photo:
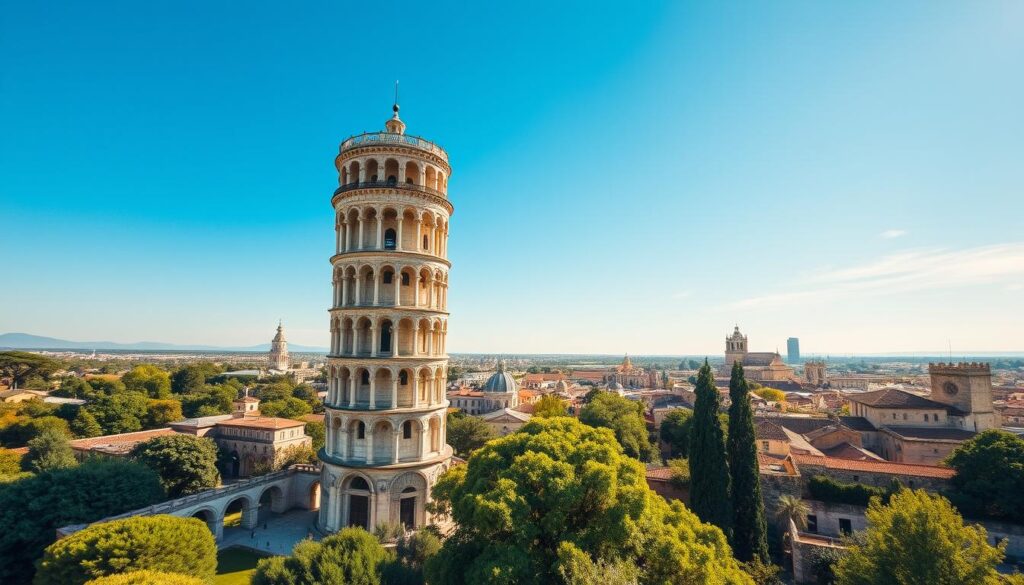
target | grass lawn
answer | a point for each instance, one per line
(235, 566)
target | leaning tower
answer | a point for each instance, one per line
(387, 366)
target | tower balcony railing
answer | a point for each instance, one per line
(374, 138)
(388, 184)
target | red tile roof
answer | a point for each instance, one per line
(659, 473)
(875, 466)
(262, 422)
(895, 398)
(120, 442)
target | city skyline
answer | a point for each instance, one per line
(640, 191)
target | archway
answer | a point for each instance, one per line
(358, 498)
(271, 502)
(314, 496)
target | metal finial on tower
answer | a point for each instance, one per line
(395, 107)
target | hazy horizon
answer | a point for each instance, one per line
(624, 180)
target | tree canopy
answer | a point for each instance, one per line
(33, 508)
(146, 577)
(288, 407)
(19, 366)
(625, 418)
(771, 394)
(160, 543)
(990, 475)
(121, 412)
(48, 451)
(549, 501)
(185, 464)
(675, 431)
(919, 539)
(550, 405)
(467, 433)
(350, 557)
(148, 379)
(709, 469)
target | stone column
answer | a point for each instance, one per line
(430, 341)
(361, 219)
(373, 340)
(344, 235)
(344, 290)
(415, 391)
(376, 287)
(394, 453)
(398, 231)
(380, 229)
(343, 441)
(369, 442)
(419, 224)
(352, 390)
(401, 172)
(415, 290)
(415, 339)
(373, 390)
(394, 391)
(430, 390)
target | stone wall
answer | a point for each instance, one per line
(931, 484)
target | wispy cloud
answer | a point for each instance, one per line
(908, 271)
(890, 234)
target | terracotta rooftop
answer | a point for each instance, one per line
(659, 473)
(121, 443)
(262, 422)
(766, 430)
(849, 451)
(876, 466)
(895, 398)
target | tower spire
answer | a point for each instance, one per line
(395, 125)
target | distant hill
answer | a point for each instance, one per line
(29, 341)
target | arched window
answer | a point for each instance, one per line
(405, 279)
(360, 434)
(426, 242)
(359, 483)
(364, 378)
(389, 239)
(392, 180)
(408, 180)
(385, 337)
(407, 431)
(403, 377)
(388, 275)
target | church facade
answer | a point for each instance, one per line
(385, 409)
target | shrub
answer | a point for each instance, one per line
(857, 494)
(147, 578)
(160, 543)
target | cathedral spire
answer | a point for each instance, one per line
(395, 125)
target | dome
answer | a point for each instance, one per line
(501, 381)
(615, 386)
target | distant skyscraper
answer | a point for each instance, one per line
(792, 350)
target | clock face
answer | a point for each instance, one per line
(950, 388)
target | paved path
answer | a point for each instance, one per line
(281, 534)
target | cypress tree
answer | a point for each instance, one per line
(709, 470)
(750, 529)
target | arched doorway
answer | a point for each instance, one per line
(407, 508)
(357, 497)
(271, 501)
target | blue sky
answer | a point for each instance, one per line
(627, 177)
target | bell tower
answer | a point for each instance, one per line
(386, 405)
(966, 387)
(735, 347)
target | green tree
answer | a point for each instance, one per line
(193, 377)
(161, 412)
(185, 464)
(350, 557)
(48, 451)
(990, 475)
(529, 504)
(123, 412)
(289, 407)
(10, 462)
(680, 469)
(72, 387)
(148, 379)
(749, 527)
(146, 577)
(159, 543)
(709, 468)
(792, 508)
(550, 405)
(318, 432)
(24, 430)
(209, 400)
(919, 539)
(675, 431)
(625, 418)
(33, 508)
(771, 394)
(84, 424)
(19, 366)
(467, 433)
(107, 385)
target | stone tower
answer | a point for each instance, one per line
(735, 347)
(278, 358)
(387, 366)
(968, 388)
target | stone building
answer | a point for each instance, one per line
(500, 391)
(760, 366)
(925, 430)
(387, 365)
